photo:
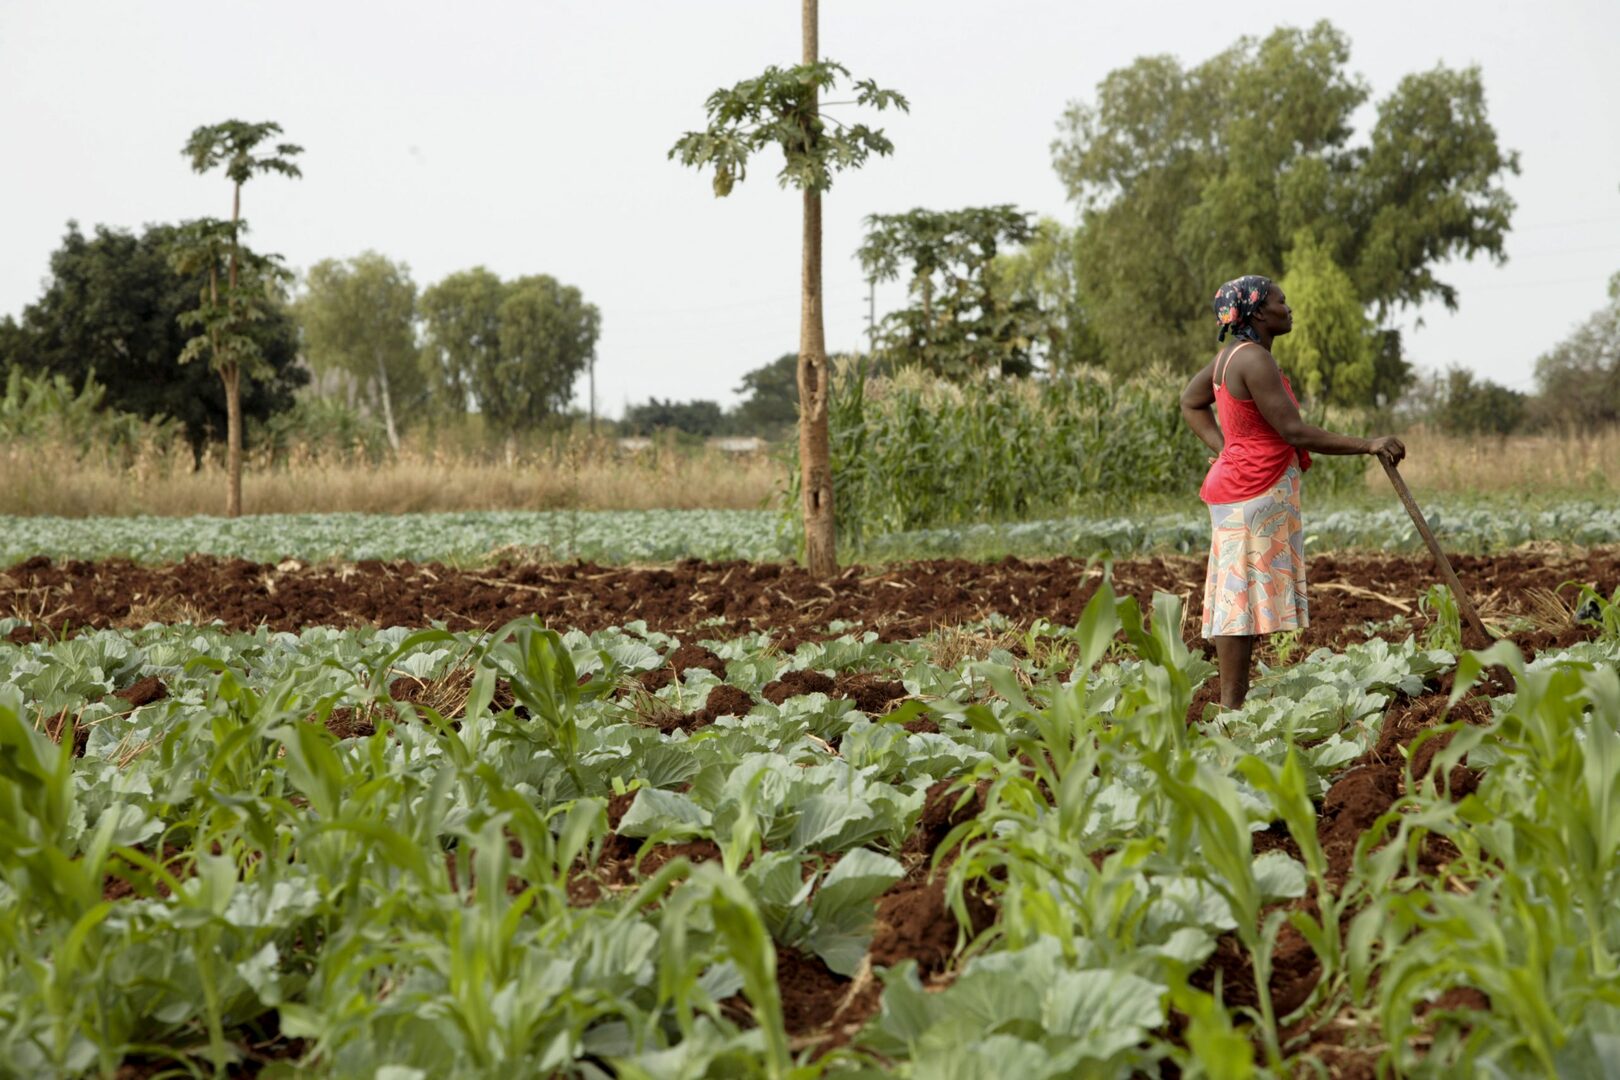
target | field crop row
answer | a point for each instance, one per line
(1465, 527)
(609, 536)
(618, 537)
(988, 852)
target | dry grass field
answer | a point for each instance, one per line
(51, 479)
(54, 480)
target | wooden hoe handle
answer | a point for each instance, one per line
(1464, 604)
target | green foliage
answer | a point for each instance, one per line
(481, 538)
(641, 536)
(1445, 618)
(232, 144)
(913, 451)
(782, 108)
(959, 323)
(1591, 606)
(1458, 402)
(358, 317)
(513, 349)
(321, 428)
(49, 409)
(1042, 271)
(772, 402)
(1579, 379)
(112, 305)
(243, 288)
(1332, 349)
(700, 418)
(1188, 177)
(409, 901)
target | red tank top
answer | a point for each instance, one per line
(1253, 456)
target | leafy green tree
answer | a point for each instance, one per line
(700, 418)
(1475, 406)
(958, 323)
(772, 402)
(782, 108)
(358, 316)
(548, 336)
(1332, 350)
(512, 350)
(461, 329)
(1043, 272)
(112, 306)
(1578, 380)
(233, 300)
(1187, 177)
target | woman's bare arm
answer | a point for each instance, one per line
(1196, 402)
(1264, 384)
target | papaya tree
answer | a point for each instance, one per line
(959, 322)
(783, 108)
(226, 316)
(230, 304)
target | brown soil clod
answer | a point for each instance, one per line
(726, 700)
(798, 684)
(915, 922)
(872, 694)
(143, 692)
(346, 722)
(688, 655)
(811, 992)
(941, 814)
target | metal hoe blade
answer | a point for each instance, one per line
(1464, 604)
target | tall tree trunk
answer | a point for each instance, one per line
(815, 383)
(231, 376)
(236, 222)
(387, 404)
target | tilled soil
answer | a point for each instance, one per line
(900, 601)
(1351, 594)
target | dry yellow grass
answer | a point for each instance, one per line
(46, 479)
(1574, 463)
(50, 478)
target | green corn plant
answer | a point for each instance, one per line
(1536, 929)
(716, 903)
(911, 451)
(1215, 1048)
(1211, 839)
(1563, 728)
(1445, 619)
(1592, 606)
(544, 680)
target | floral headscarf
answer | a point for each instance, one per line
(1237, 301)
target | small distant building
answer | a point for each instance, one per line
(739, 444)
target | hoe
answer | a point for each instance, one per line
(1464, 604)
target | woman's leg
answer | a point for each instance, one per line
(1234, 653)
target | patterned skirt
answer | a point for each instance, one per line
(1256, 579)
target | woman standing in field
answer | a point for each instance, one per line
(1256, 579)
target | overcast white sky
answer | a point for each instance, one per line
(530, 136)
